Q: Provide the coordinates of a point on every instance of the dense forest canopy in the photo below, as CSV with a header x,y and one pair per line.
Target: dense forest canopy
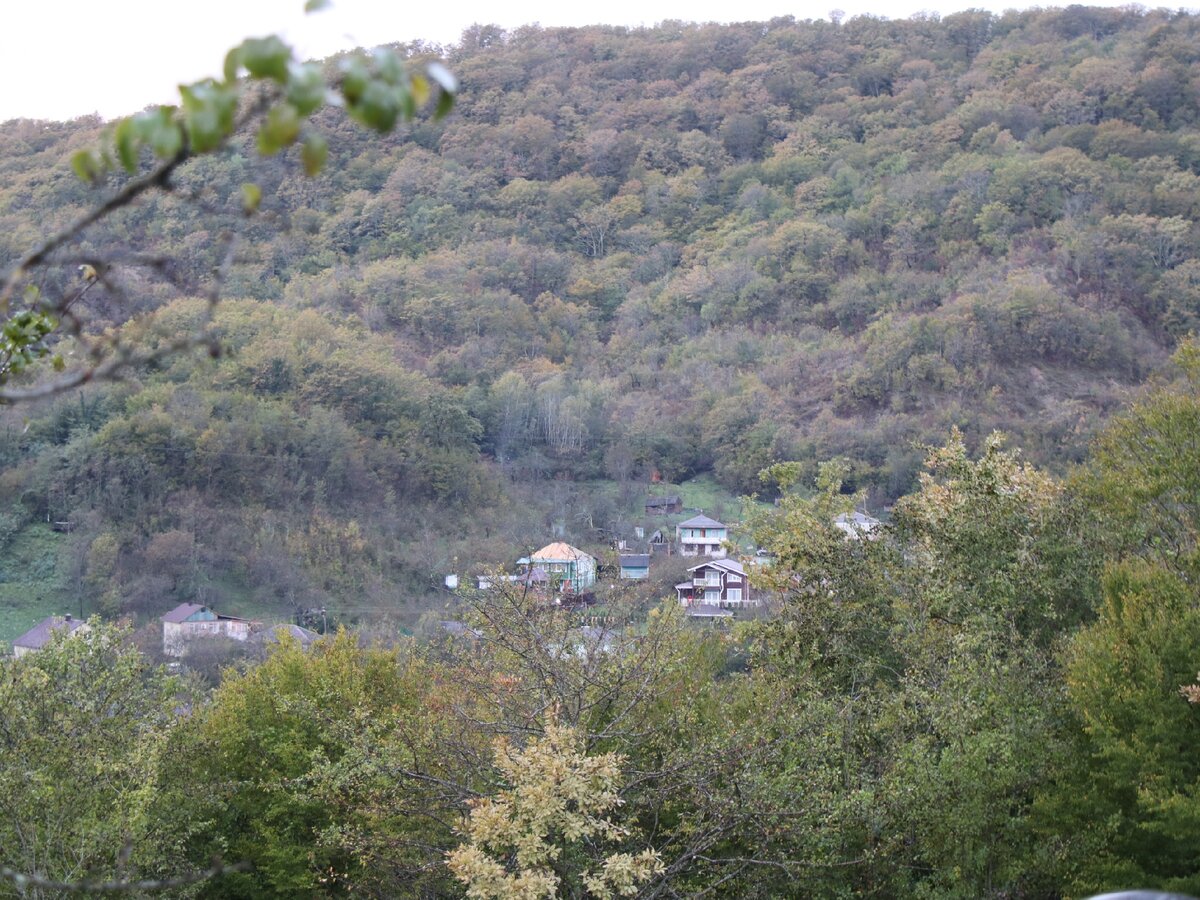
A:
x,y
831,262
630,253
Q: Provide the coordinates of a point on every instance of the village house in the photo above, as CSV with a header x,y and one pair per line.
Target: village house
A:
x,y
635,565
721,583
569,569
39,635
189,621
857,525
701,536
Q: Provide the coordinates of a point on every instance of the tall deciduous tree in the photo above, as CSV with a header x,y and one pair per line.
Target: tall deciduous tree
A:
x,y
82,729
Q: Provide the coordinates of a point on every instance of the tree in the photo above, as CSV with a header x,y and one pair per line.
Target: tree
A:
x,y
1144,479
82,734
318,768
1124,806
556,805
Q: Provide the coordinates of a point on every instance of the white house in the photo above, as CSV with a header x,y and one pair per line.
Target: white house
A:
x,y
857,525
701,536
189,621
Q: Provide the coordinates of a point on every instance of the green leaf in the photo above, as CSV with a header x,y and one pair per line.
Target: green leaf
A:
x,y
266,58
389,66
209,110
251,197
233,64
313,6
305,88
378,108
355,79
313,153
83,163
128,144
166,139
280,130
445,103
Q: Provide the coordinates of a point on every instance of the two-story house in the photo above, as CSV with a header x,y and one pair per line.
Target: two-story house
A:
x,y
701,536
720,582
189,621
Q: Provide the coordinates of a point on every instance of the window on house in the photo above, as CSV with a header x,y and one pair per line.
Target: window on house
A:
x,y
734,595
711,596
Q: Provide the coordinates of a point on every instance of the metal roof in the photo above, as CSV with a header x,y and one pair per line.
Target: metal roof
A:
x,y
39,635
701,521
729,565
183,612
557,551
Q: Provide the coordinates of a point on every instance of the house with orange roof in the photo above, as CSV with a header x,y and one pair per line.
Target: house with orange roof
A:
x,y
568,568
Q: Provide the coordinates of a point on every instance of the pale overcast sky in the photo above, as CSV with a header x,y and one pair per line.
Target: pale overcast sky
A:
x,y
65,58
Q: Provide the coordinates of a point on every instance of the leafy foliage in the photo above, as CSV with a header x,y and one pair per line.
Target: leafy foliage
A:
x,y
557,796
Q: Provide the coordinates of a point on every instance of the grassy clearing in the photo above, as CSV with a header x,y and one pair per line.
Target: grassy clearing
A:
x,y
31,585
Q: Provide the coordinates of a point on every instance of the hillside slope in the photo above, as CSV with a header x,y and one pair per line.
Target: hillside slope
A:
x,y
669,251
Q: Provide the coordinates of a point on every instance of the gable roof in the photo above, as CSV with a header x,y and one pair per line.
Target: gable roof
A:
x,y
729,565
183,612
635,560
39,635
557,551
701,521
668,500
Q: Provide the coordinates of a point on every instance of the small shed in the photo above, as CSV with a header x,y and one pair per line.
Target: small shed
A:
x,y
635,565
664,506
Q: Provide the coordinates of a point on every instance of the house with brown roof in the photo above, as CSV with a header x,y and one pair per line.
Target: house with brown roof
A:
x,y
189,621
39,635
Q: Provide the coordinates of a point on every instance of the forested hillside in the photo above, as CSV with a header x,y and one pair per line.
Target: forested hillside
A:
x,y
628,253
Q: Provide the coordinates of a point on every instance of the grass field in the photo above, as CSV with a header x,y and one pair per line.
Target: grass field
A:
x,y
31,585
